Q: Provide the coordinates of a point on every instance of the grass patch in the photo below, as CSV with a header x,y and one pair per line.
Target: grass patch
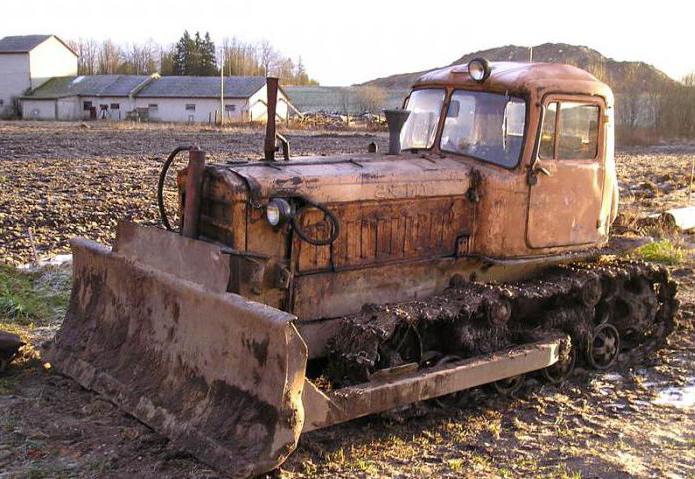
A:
x,y
25,300
663,251
29,300
455,465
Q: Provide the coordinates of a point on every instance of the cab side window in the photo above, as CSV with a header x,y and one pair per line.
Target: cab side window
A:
x,y
569,131
578,137
547,147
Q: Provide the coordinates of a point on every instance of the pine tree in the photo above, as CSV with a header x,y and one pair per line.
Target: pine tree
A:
x,y
195,58
208,63
182,54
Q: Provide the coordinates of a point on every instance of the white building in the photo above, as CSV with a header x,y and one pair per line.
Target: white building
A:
x,y
28,61
151,98
198,99
84,97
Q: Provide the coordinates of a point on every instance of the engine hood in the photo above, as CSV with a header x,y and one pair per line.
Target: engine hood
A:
x,y
347,178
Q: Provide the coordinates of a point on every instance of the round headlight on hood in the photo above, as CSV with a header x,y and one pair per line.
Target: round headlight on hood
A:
x,y
278,211
479,69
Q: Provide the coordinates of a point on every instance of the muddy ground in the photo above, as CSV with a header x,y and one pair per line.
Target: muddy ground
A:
x,y
63,179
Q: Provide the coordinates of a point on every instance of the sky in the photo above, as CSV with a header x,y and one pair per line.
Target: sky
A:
x,y
352,41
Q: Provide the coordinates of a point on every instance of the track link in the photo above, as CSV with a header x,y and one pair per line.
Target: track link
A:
x,y
613,311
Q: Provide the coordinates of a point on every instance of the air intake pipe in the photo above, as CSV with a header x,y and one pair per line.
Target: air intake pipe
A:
x,y
270,131
395,120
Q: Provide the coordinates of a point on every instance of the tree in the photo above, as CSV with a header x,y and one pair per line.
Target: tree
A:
x,y
109,58
182,54
139,59
268,57
195,56
630,100
167,64
87,51
242,58
208,62
371,99
346,101
190,55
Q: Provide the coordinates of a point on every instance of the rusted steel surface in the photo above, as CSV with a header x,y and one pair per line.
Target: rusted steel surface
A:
x,y
271,105
385,232
520,78
219,375
392,271
197,261
194,187
325,409
424,206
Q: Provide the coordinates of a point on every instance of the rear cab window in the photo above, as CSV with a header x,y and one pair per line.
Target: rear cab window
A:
x,y
570,130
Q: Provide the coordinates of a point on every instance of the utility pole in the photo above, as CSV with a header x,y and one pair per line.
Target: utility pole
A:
x,y
222,89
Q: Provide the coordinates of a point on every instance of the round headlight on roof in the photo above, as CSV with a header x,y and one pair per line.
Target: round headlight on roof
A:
x,y
479,69
278,211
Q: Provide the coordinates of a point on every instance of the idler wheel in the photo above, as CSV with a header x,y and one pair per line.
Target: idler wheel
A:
x,y
508,386
603,347
591,292
498,312
562,369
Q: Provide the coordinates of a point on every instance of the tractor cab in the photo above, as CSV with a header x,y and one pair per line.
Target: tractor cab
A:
x,y
547,125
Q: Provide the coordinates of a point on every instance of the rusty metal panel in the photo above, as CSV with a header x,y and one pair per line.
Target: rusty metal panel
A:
x,y
381,232
325,409
197,261
564,207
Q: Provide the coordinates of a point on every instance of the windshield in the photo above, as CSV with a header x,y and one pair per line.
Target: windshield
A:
x,y
487,126
420,128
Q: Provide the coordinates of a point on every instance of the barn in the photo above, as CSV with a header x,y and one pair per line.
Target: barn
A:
x,y
84,97
198,99
27,62
38,77
183,99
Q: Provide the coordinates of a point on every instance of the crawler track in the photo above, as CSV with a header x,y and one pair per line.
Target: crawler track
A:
x,y
613,311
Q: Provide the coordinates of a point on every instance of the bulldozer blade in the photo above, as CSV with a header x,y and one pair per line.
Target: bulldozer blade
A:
x,y
220,376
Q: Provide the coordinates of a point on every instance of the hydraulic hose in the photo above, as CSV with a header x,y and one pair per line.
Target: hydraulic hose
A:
x,y
332,219
160,184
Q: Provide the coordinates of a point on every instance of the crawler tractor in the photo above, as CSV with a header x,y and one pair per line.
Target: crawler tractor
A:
x,y
303,292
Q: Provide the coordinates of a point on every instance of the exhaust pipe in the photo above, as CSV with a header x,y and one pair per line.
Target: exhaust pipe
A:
x,y
194,192
395,120
272,89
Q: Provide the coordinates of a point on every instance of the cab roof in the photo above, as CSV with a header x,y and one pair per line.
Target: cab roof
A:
x,y
521,77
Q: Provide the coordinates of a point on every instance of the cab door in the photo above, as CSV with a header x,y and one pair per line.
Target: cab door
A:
x,y
566,181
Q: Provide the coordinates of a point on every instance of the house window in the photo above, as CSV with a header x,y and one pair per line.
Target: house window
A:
x,y
190,106
115,106
103,107
153,107
230,108
2,102
86,105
